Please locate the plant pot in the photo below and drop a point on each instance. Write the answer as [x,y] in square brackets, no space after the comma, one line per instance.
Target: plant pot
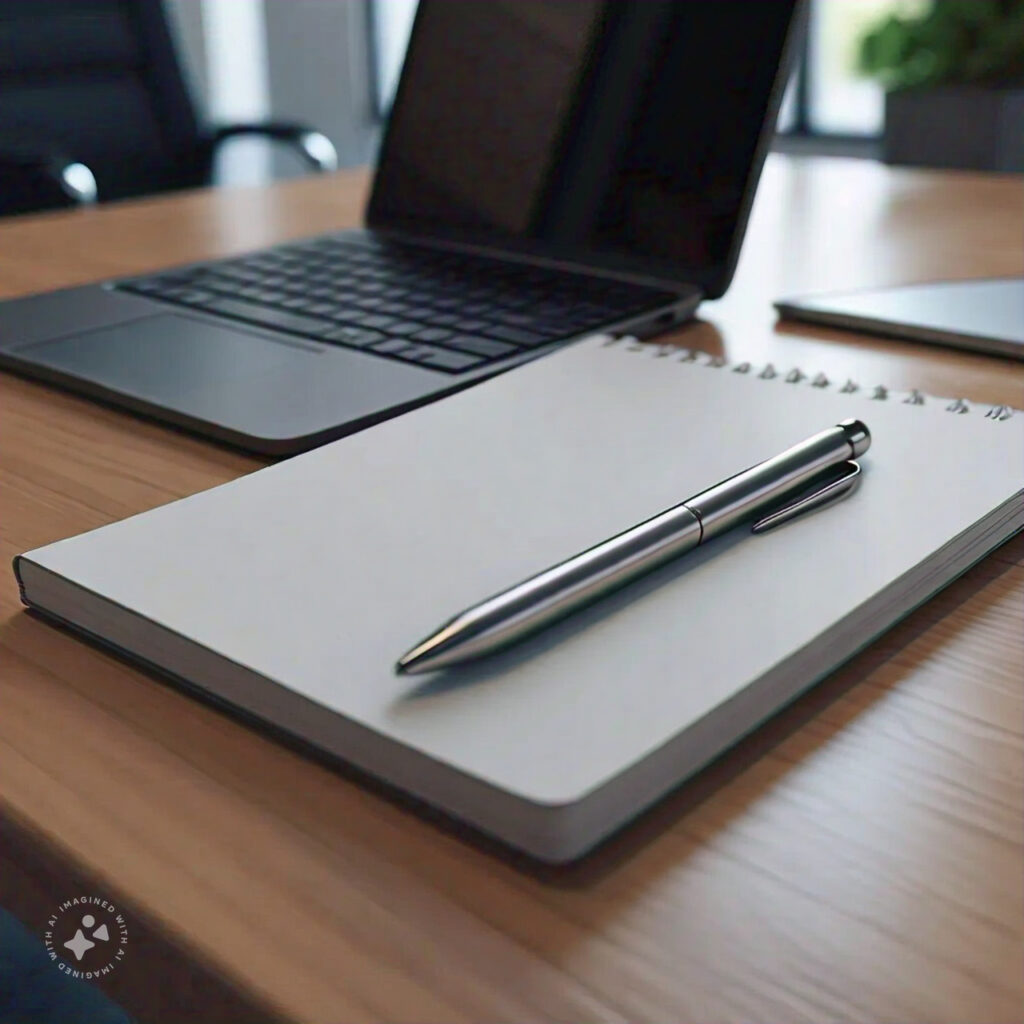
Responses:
[955,126]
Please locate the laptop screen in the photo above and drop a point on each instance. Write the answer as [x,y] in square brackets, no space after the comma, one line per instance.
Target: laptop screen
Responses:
[617,134]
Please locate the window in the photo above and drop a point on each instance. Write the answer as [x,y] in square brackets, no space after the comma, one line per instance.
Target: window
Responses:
[392,23]
[826,99]
[836,100]
[237,85]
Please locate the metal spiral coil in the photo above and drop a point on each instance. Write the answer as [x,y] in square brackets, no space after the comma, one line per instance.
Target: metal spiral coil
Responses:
[878,393]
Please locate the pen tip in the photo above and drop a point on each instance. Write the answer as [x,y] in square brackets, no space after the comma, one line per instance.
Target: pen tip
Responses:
[411,663]
[440,650]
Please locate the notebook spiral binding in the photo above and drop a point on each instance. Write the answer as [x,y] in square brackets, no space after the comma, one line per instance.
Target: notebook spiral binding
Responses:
[878,393]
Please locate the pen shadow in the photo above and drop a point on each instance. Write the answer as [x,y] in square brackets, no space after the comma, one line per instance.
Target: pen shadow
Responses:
[495,666]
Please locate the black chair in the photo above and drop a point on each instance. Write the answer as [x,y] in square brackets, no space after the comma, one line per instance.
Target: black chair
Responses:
[93,105]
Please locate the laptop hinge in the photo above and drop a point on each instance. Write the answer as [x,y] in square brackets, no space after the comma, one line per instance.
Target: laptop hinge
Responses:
[533,260]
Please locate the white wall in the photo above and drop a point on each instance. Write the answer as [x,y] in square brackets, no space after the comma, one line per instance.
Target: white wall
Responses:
[288,60]
[392,23]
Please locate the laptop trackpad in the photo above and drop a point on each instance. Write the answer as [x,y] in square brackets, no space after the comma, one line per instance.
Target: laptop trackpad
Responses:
[167,357]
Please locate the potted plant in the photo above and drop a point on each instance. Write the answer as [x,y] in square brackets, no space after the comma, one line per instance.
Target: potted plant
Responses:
[954,80]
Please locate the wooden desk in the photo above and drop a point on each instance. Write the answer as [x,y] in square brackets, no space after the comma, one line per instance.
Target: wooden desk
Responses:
[858,859]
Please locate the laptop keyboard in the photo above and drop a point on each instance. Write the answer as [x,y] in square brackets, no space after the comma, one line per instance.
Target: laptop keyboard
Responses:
[449,311]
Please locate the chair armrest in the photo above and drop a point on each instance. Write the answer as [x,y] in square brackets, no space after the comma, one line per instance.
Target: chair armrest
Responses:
[314,147]
[33,180]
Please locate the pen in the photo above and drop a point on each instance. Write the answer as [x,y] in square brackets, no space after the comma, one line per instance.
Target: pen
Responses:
[795,481]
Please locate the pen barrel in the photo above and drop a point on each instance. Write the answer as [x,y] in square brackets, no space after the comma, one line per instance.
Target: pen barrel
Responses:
[564,588]
[556,592]
[746,495]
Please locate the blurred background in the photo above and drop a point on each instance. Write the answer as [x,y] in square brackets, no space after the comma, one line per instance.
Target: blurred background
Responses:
[240,51]
[928,82]
[834,104]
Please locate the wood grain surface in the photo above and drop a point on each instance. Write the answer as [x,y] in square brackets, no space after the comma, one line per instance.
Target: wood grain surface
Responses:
[858,859]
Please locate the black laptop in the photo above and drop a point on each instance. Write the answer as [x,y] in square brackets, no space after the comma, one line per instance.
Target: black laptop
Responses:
[552,168]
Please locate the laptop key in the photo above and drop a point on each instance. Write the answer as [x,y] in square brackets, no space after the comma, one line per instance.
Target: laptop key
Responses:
[514,319]
[414,353]
[379,323]
[433,334]
[355,317]
[517,335]
[419,313]
[444,320]
[479,346]
[270,296]
[470,326]
[554,329]
[445,359]
[354,337]
[369,303]
[301,305]
[393,346]
[405,328]
[277,319]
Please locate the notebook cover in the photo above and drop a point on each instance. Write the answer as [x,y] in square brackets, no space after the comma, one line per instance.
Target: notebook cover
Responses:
[318,572]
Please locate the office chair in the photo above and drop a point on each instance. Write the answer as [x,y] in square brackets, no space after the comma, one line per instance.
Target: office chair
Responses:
[93,106]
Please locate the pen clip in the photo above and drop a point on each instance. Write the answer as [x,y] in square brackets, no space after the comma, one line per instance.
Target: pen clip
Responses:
[837,485]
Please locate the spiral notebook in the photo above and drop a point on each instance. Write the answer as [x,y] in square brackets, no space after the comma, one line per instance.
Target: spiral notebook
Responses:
[288,594]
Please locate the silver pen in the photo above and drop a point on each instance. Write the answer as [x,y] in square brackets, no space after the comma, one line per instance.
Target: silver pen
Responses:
[795,481]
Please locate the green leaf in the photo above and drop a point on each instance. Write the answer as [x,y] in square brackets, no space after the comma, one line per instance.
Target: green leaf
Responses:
[953,41]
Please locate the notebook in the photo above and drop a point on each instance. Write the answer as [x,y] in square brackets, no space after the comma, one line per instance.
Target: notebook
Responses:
[289,593]
[986,314]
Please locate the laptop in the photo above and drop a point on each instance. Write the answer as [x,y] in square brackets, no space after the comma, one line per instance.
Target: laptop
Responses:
[986,315]
[550,169]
